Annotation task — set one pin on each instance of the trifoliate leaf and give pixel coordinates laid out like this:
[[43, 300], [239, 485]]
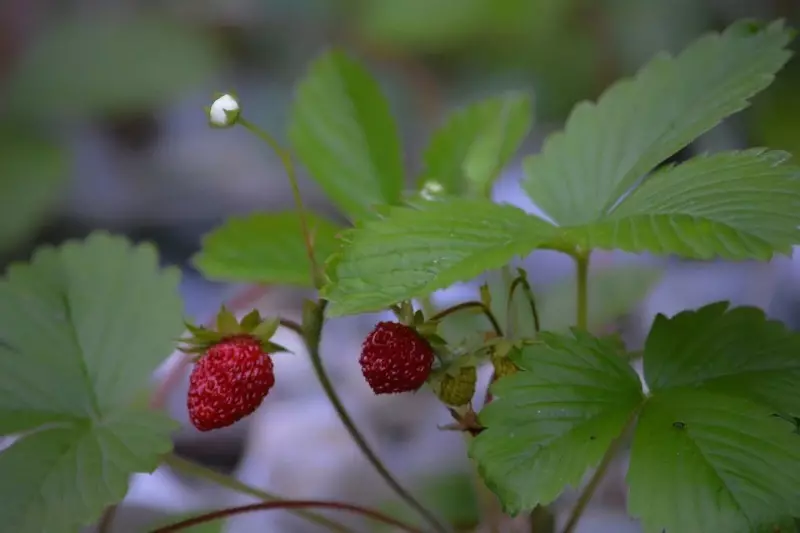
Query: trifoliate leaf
[[266, 248], [89, 66], [704, 461], [606, 147], [476, 142], [731, 351], [343, 132], [82, 327], [416, 250], [551, 422], [734, 205], [32, 174]]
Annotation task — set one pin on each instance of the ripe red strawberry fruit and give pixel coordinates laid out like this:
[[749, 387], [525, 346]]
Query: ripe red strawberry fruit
[[234, 372], [395, 358]]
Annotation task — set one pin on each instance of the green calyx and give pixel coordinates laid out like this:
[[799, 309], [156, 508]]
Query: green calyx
[[227, 326], [456, 386]]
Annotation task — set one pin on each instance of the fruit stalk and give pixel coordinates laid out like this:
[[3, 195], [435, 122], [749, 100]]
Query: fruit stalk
[[312, 337]]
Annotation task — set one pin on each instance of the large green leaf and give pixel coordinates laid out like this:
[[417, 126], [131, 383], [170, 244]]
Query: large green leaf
[[732, 351], [474, 144], [82, 327], [606, 147], [90, 65], [734, 205], [266, 248], [343, 131], [704, 461], [416, 250], [555, 419], [32, 174]]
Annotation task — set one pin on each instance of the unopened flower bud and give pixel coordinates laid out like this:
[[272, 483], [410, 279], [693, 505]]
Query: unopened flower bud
[[224, 112]]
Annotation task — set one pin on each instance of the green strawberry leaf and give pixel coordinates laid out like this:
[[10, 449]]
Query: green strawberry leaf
[[416, 250], [735, 205], [88, 66], [343, 131], [266, 248], [730, 351], [33, 173], [475, 143], [606, 147], [555, 419], [82, 327], [705, 461]]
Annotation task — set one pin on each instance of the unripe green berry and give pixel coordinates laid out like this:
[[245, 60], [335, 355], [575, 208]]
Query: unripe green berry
[[458, 390]]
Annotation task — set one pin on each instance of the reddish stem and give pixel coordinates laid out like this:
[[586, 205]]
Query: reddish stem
[[294, 504], [246, 298]]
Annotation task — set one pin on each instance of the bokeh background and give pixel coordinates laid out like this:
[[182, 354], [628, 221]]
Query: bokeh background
[[101, 126]]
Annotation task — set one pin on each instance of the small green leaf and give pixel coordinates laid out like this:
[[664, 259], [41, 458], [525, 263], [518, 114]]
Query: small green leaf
[[704, 461], [555, 419], [32, 174], [82, 327], [266, 248], [476, 142], [343, 131], [416, 250], [731, 351], [88, 66], [735, 205], [606, 147]]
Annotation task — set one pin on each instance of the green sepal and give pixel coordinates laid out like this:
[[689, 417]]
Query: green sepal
[[266, 329], [251, 320], [273, 348], [419, 318], [227, 324]]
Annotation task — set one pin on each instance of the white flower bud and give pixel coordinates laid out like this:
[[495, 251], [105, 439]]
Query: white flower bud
[[224, 112]]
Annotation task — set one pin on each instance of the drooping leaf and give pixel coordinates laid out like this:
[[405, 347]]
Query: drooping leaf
[[730, 351], [82, 327], [705, 461], [476, 142], [735, 205], [606, 147], [89, 66], [343, 131], [551, 422], [32, 174], [266, 248], [416, 250]]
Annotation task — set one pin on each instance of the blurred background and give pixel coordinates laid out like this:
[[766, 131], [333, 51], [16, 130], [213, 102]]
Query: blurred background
[[101, 126]]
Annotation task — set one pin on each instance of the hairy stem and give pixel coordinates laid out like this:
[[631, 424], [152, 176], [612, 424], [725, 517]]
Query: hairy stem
[[286, 159], [289, 505], [312, 334], [597, 477], [471, 305], [193, 469], [582, 273], [522, 281]]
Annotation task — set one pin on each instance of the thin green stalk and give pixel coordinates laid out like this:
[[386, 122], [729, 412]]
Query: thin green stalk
[[286, 159], [312, 337], [522, 281], [597, 477], [288, 505], [582, 273], [193, 469], [471, 305]]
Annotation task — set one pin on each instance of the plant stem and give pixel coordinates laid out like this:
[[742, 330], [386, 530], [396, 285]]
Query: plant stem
[[106, 524], [193, 469], [471, 305], [522, 281], [597, 477], [291, 504], [312, 337], [286, 159], [582, 273]]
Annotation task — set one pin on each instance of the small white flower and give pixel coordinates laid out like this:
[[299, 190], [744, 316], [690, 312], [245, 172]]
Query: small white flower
[[224, 112], [431, 190]]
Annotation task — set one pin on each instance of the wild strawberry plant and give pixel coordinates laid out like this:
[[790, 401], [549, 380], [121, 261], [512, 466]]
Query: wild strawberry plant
[[713, 435]]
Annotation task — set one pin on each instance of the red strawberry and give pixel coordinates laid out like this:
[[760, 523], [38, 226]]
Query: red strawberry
[[234, 372], [229, 382], [395, 358]]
